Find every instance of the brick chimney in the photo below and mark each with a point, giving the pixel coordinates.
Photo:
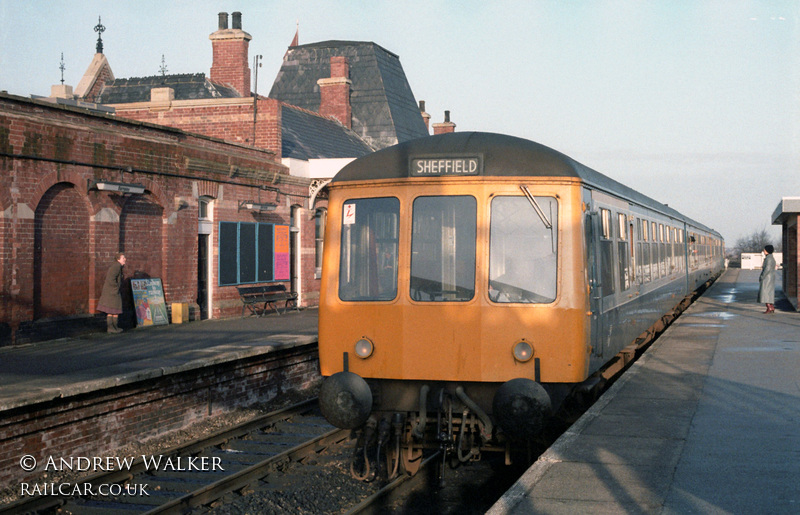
(335, 92)
(230, 48)
(425, 116)
(444, 127)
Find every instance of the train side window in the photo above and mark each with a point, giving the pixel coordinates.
(368, 253)
(638, 257)
(443, 249)
(624, 256)
(605, 220)
(523, 255)
(606, 254)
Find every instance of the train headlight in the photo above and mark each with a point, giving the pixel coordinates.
(523, 351)
(364, 348)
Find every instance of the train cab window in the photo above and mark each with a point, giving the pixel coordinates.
(368, 258)
(443, 249)
(523, 245)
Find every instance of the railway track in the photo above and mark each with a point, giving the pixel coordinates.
(197, 474)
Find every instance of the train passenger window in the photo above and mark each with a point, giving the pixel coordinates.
(443, 249)
(646, 262)
(523, 250)
(605, 220)
(606, 254)
(368, 256)
(624, 257)
(654, 260)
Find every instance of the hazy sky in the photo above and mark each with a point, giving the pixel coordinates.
(694, 103)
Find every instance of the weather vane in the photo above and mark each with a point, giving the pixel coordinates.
(99, 28)
(62, 67)
(163, 67)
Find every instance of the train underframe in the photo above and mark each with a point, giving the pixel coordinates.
(461, 420)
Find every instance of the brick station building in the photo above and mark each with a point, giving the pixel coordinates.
(59, 232)
(787, 215)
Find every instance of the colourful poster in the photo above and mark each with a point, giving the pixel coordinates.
(282, 253)
(148, 299)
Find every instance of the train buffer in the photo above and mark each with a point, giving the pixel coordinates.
(704, 422)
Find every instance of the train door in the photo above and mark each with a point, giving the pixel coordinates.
(592, 228)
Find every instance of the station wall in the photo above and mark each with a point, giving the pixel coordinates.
(58, 235)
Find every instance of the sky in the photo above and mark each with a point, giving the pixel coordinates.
(693, 103)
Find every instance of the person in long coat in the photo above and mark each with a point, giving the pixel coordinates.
(110, 299)
(766, 288)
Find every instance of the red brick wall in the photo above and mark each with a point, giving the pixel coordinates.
(59, 151)
(97, 423)
(335, 92)
(224, 120)
(140, 226)
(61, 253)
(230, 64)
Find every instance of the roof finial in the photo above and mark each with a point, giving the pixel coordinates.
(296, 40)
(163, 67)
(62, 67)
(99, 28)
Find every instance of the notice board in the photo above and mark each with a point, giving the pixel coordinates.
(148, 300)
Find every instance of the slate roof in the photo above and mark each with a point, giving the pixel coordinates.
(383, 107)
(188, 86)
(311, 136)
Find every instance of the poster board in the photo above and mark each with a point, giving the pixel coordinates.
(148, 301)
(282, 253)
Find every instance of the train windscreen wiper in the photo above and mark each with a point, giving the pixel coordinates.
(536, 207)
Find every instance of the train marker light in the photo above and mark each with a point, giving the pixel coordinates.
(364, 348)
(523, 351)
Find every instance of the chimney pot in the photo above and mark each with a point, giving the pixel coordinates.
(447, 117)
(237, 20)
(223, 21)
(422, 105)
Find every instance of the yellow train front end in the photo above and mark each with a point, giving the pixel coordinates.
(452, 306)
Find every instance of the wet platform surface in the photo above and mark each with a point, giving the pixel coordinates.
(47, 370)
(706, 421)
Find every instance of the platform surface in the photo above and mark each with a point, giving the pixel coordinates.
(47, 370)
(706, 421)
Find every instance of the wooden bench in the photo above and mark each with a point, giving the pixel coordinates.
(258, 298)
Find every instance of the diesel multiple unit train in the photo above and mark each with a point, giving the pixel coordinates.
(472, 281)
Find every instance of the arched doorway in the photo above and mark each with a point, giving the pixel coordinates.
(140, 238)
(61, 254)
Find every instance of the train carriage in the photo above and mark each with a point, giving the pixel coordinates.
(471, 281)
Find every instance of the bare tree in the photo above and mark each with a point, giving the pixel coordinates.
(755, 242)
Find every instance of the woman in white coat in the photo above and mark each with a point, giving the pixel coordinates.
(766, 288)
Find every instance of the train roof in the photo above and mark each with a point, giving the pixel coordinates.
(499, 155)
